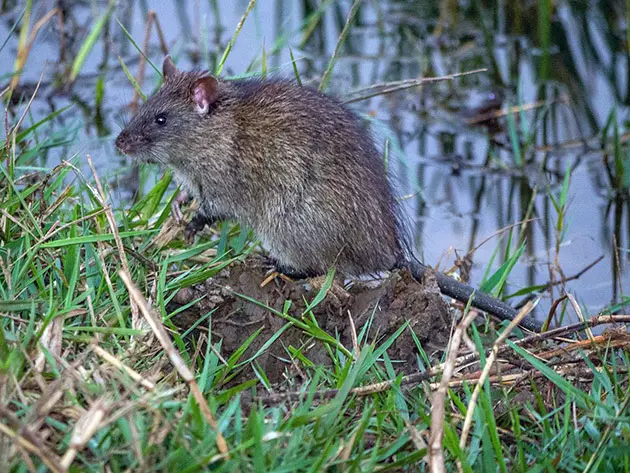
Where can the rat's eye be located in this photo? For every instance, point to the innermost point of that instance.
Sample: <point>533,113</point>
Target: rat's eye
<point>160,119</point>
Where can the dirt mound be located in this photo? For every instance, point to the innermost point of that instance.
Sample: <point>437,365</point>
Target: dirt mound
<point>385,304</point>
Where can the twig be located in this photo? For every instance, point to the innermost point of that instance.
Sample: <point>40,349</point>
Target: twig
<point>499,232</point>
<point>579,326</point>
<point>554,306</point>
<point>513,109</point>
<point>592,144</point>
<point>611,339</point>
<point>436,370</point>
<point>160,33</point>
<point>151,266</point>
<point>152,19</point>
<point>577,275</point>
<point>407,84</point>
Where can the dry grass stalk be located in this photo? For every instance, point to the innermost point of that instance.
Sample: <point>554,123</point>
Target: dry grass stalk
<point>391,87</point>
<point>176,359</point>
<point>111,219</point>
<point>353,332</point>
<point>24,48</point>
<point>486,371</point>
<point>28,441</point>
<point>576,327</point>
<point>133,374</point>
<point>414,435</point>
<point>152,19</point>
<point>438,369</point>
<point>51,340</point>
<point>47,457</point>
<point>435,454</point>
<point>83,431</point>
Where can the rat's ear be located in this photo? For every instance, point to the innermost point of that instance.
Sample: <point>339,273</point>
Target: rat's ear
<point>168,68</point>
<point>204,93</point>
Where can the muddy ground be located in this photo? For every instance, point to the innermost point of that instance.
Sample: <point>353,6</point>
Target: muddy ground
<point>385,305</point>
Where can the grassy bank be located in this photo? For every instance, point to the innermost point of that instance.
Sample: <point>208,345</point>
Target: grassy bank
<point>97,372</point>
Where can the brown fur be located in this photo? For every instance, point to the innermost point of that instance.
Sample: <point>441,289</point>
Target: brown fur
<point>293,164</point>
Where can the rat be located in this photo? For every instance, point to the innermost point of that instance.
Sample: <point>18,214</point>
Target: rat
<point>293,164</point>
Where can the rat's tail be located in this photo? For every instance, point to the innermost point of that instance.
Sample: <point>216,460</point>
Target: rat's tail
<point>463,292</point>
<point>451,287</point>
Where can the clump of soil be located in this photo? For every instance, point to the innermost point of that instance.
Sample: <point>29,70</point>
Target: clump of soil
<point>385,305</point>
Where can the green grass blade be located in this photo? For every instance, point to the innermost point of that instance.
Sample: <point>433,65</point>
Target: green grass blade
<point>89,42</point>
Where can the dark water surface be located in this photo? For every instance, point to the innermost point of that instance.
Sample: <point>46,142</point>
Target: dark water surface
<point>459,176</point>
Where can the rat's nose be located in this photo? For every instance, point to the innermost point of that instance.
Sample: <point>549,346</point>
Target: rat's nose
<point>122,142</point>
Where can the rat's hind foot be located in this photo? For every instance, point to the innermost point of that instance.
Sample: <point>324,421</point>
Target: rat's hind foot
<point>273,274</point>
<point>277,270</point>
<point>288,271</point>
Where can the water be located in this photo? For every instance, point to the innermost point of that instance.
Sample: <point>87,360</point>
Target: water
<point>458,181</point>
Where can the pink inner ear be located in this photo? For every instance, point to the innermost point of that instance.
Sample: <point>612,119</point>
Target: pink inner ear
<point>204,93</point>
<point>200,97</point>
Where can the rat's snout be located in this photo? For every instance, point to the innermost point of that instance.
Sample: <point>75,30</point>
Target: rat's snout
<point>123,142</point>
<point>135,145</point>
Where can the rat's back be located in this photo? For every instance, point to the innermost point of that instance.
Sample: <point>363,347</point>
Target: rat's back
<point>294,164</point>
<point>327,199</point>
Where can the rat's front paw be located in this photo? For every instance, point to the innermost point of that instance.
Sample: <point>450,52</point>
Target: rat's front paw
<point>195,225</point>
<point>182,198</point>
<point>189,234</point>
